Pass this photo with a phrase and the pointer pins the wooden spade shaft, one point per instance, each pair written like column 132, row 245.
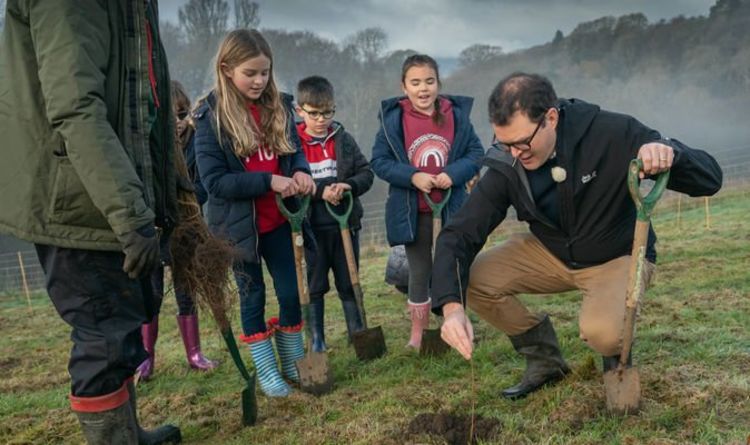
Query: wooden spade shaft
column 351, row 263
column 299, row 267
column 636, row 289
column 437, row 226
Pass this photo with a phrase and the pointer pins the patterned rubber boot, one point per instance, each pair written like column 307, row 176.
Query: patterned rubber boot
column 266, row 367
column 290, row 348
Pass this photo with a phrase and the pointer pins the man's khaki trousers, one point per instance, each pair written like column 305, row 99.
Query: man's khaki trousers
column 522, row 265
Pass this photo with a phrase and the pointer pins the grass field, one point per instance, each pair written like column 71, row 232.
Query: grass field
column 693, row 351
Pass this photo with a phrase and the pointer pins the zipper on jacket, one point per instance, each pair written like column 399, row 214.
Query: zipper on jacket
column 393, row 149
column 452, row 154
column 565, row 221
column 566, row 197
column 385, row 132
column 164, row 161
column 139, row 115
column 155, row 63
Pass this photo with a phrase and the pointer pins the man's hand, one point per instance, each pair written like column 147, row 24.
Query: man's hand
column 443, row 181
column 141, row 249
column 656, row 157
column 305, row 183
column 457, row 330
column 423, row 181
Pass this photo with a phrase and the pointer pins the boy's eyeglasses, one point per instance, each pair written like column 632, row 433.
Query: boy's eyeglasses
column 315, row 115
column 523, row 145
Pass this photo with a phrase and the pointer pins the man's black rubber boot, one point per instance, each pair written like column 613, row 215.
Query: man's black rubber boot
column 112, row 427
column 544, row 362
column 160, row 435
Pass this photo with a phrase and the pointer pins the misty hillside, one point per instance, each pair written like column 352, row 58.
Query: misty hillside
column 689, row 77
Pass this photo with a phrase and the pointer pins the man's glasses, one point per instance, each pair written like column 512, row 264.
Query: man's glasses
column 523, row 145
column 315, row 115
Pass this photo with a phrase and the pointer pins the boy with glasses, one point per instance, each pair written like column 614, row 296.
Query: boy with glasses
column 337, row 165
column 562, row 164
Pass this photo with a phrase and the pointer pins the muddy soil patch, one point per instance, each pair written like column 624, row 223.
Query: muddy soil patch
column 9, row 363
column 454, row 429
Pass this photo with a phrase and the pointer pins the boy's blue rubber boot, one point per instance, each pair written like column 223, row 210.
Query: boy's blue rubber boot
column 317, row 310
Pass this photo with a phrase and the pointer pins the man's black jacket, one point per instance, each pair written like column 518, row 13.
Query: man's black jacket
column 597, row 214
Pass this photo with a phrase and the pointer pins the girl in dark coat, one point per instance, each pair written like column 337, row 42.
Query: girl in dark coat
column 426, row 144
column 247, row 151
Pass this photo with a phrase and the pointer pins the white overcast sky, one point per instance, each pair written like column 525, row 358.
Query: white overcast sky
column 443, row 28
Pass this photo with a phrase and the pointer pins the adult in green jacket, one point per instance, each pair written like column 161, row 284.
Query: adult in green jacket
column 88, row 177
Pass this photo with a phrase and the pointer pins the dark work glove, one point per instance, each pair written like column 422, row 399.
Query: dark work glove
column 141, row 249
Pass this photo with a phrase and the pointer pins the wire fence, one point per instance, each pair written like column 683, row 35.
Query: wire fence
column 21, row 273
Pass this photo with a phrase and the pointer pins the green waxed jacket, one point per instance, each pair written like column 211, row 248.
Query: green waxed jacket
column 85, row 153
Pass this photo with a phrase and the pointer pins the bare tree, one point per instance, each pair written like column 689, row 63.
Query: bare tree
column 204, row 21
column 368, row 44
column 246, row 14
column 478, row 53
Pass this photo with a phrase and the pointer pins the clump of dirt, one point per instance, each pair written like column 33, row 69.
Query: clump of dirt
column 9, row 363
column 454, row 429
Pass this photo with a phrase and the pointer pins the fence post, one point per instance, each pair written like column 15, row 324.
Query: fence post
column 708, row 214
column 23, row 280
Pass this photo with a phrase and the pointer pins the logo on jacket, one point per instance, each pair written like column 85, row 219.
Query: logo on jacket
column 429, row 150
column 586, row 178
